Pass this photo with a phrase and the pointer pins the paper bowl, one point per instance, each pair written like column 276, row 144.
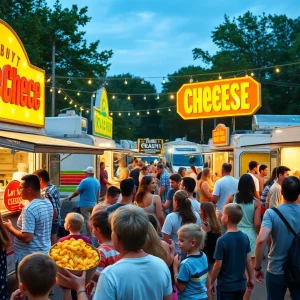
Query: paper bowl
column 89, row 272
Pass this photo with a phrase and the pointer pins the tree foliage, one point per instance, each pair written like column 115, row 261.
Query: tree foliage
column 39, row 26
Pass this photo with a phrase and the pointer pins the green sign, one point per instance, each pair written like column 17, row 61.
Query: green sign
column 103, row 124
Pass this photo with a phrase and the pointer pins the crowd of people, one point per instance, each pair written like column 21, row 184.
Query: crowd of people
column 162, row 235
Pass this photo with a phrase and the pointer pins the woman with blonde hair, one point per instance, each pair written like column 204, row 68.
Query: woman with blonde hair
column 124, row 173
column 182, row 214
column 157, row 247
column 150, row 203
column 206, row 185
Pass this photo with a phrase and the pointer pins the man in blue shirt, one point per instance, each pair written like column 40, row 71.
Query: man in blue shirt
column 89, row 191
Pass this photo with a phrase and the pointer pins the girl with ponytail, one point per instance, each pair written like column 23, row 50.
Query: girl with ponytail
column 182, row 214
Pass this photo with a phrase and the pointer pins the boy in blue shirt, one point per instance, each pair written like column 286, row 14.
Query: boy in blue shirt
column 190, row 276
column 233, row 256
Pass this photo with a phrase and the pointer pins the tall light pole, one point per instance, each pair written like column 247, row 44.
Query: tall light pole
column 53, row 82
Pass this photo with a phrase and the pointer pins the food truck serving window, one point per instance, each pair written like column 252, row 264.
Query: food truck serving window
column 12, row 166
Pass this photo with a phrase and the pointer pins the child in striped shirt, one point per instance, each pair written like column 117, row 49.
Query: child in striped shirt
column 102, row 231
column 191, row 273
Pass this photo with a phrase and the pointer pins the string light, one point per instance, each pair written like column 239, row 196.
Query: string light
column 87, row 111
column 120, row 114
column 125, row 81
column 69, row 81
column 157, row 97
column 51, row 90
column 49, row 79
column 277, row 70
column 81, row 108
column 172, row 97
column 90, row 81
column 71, row 102
column 65, row 98
column 75, row 105
column 143, row 81
column 128, row 114
column 246, row 75
column 145, row 98
column 220, row 77
column 169, row 109
column 191, row 79
column 163, row 80
column 148, row 113
column 59, row 91
column 94, row 95
column 111, row 114
column 158, row 111
column 252, row 74
column 78, row 94
column 138, row 113
column 113, row 96
column 128, row 97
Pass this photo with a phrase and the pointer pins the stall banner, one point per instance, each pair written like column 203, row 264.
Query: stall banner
column 102, row 123
column 220, row 135
column 150, row 146
column 22, row 85
column 219, row 98
column 12, row 197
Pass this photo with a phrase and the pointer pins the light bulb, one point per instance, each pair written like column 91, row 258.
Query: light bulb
column 87, row 111
column 71, row 102
column 128, row 98
column 59, row 91
column 128, row 114
column 120, row 114
column 69, row 81
column 75, row 105
column 138, row 113
column 158, row 111
column 125, row 82
column 65, row 98
column 49, row 79
column 277, row 70
column 111, row 114
column 157, row 97
column 90, row 81
column 220, row 77
column 145, row 97
column 169, row 109
column 78, row 94
column 191, row 80
column 252, row 74
column 163, row 80
column 94, row 95
column 113, row 96
column 143, row 81
column 246, row 75
column 81, row 108
column 172, row 97
column 148, row 113
column 51, row 90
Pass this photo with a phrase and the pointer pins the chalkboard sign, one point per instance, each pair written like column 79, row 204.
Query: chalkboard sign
column 150, row 146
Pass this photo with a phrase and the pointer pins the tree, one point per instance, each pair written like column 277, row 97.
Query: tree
column 39, row 27
column 249, row 42
column 142, row 125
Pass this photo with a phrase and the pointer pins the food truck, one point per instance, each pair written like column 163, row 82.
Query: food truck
column 24, row 146
column 256, row 144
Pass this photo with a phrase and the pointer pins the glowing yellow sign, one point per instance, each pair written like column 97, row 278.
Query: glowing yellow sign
column 22, row 85
column 103, row 124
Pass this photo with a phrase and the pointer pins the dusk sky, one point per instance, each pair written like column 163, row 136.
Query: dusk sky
column 156, row 37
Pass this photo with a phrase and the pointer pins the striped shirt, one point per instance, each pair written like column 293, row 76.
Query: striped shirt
column 51, row 193
column 108, row 257
column 35, row 218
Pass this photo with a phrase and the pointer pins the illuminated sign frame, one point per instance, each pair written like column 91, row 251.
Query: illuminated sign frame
column 22, row 85
column 102, row 122
column 219, row 98
column 221, row 136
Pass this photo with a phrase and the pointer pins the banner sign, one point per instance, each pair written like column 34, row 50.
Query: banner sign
column 219, row 98
column 220, row 135
column 22, row 85
column 12, row 197
column 150, row 146
column 102, row 124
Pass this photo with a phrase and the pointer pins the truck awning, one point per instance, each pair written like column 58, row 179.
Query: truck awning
column 43, row 144
column 283, row 144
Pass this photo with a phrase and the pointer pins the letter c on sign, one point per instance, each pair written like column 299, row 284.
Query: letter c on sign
column 188, row 108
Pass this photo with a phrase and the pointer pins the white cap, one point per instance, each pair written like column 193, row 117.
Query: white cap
column 89, row 170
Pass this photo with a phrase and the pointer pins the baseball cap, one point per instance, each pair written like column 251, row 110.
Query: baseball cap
column 89, row 170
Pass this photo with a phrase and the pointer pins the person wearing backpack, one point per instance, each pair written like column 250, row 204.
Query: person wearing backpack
column 282, row 223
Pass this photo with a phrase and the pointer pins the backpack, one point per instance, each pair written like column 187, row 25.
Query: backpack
column 292, row 264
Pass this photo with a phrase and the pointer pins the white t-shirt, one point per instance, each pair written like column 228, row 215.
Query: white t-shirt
column 172, row 223
column 225, row 187
column 135, row 278
column 195, row 205
column 256, row 182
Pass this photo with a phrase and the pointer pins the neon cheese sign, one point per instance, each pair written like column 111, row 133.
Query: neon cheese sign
column 22, row 85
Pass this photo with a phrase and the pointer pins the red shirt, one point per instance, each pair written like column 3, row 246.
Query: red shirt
column 108, row 256
column 76, row 237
